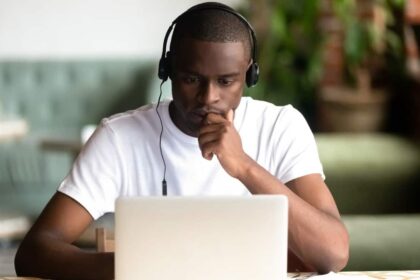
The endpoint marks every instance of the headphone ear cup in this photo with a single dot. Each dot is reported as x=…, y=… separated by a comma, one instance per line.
x=163, y=71
x=252, y=74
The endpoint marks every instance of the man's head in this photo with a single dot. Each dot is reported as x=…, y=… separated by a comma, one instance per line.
x=211, y=25
x=210, y=53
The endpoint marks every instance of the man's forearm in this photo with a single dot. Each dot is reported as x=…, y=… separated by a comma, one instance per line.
x=318, y=238
x=54, y=259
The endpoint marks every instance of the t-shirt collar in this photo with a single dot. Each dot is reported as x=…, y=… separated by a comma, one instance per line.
x=174, y=131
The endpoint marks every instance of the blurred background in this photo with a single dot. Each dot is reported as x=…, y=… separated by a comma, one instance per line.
x=352, y=67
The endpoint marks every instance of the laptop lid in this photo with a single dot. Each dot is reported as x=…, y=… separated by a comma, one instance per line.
x=201, y=238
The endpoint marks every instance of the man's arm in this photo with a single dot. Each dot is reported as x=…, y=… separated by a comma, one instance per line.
x=317, y=236
x=47, y=249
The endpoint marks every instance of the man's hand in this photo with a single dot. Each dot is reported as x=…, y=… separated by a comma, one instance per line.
x=219, y=137
x=47, y=250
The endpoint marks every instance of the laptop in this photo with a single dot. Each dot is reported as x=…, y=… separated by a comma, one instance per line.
x=204, y=238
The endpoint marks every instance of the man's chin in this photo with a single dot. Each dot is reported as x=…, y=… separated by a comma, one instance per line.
x=194, y=129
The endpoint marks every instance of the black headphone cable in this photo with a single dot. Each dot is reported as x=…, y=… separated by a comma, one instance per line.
x=164, y=186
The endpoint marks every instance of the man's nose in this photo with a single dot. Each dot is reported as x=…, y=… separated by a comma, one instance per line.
x=209, y=93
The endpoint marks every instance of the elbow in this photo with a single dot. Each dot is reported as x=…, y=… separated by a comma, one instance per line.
x=335, y=263
x=27, y=257
x=338, y=256
x=342, y=252
x=21, y=261
x=339, y=260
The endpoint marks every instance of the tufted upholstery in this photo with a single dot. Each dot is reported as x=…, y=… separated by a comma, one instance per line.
x=64, y=95
x=58, y=98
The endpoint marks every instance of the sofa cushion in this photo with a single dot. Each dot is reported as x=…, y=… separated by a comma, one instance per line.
x=371, y=173
x=383, y=242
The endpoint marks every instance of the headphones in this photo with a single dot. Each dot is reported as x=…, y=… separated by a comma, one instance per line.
x=253, y=71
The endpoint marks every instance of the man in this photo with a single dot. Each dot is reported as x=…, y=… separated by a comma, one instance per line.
x=215, y=142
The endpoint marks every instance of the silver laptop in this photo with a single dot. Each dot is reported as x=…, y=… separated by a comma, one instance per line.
x=185, y=238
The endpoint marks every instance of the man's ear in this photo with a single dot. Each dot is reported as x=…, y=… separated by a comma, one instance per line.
x=248, y=67
x=250, y=63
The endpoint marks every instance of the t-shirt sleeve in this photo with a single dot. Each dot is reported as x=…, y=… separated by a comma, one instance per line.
x=295, y=147
x=94, y=180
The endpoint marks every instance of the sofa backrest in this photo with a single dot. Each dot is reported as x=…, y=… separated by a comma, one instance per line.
x=63, y=96
x=371, y=173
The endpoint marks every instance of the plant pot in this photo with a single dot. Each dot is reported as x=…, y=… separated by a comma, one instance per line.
x=343, y=109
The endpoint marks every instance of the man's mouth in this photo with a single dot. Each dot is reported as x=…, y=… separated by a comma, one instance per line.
x=197, y=117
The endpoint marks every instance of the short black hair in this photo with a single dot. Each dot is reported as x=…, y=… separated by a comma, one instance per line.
x=213, y=25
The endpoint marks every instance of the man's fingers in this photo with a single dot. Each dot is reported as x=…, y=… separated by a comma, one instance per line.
x=211, y=133
x=229, y=116
x=212, y=118
x=208, y=149
x=208, y=156
x=210, y=136
x=211, y=128
x=209, y=141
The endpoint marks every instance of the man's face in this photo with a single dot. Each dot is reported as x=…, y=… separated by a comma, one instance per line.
x=206, y=77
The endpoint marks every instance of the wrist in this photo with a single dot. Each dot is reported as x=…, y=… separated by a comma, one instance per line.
x=245, y=168
x=257, y=179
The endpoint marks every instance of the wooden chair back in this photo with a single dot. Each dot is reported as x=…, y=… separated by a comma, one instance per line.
x=104, y=243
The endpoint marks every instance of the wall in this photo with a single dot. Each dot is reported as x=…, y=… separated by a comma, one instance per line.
x=34, y=29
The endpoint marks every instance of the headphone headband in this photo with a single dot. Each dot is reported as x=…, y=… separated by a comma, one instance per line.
x=252, y=78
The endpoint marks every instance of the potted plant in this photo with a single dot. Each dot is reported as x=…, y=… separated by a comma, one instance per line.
x=356, y=105
x=288, y=52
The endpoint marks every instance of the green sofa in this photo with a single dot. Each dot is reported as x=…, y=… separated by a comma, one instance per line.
x=57, y=99
x=374, y=178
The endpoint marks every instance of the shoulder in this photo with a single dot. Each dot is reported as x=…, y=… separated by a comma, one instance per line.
x=142, y=118
x=274, y=123
x=268, y=112
x=142, y=112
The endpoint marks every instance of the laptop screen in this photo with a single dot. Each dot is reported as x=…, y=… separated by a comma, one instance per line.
x=201, y=238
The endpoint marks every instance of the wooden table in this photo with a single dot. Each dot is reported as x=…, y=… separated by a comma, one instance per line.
x=349, y=275
x=402, y=274
x=394, y=275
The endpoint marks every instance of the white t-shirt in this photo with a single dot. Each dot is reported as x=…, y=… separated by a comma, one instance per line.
x=122, y=158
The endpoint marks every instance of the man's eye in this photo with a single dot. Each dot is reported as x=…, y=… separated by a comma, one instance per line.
x=190, y=79
x=225, y=82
